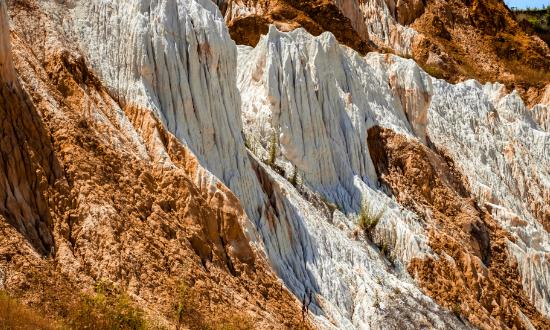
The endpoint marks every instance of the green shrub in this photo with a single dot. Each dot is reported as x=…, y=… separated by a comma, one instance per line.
x=106, y=309
x=272, y=150
x=368, y=218
x=294, y=178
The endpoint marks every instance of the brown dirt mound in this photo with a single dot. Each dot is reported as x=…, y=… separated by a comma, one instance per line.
x=316, y=16
x=481, y=40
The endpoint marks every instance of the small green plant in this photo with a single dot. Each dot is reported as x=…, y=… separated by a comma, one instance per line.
x=368, y=218
x=272, y=150
x=106, y=309
x=247, y=142
x=457, y=310
x=294, y=178
x=376, y=300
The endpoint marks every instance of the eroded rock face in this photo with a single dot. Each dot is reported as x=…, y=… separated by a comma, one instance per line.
x=504, y=154
x=311, y=97
x=178, y=158
x=287, y=78
x=28, y=168
x=356, y=24
x=475, y=275
x=114, y=197
x=248, y=20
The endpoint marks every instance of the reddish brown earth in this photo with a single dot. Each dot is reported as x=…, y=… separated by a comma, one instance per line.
x=481, y=40
x=474, y=276
x=316, y=16
x=82, y=206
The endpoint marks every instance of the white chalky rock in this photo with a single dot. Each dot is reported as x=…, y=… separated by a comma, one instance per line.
x=503, y=148
x=353, y=285
x=383, y=28
x=176, y=59
x=318, y=99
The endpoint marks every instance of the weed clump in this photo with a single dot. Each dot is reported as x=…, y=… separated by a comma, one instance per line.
x=188, y=314
x=368, y=218
x=106, y=309
x=15, y=315
x=272, y=150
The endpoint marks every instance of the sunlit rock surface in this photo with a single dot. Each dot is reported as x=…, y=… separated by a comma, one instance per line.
x=203, y=111
x=285, y=126
x=314, y=101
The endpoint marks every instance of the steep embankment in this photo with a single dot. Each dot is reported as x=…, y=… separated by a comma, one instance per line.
x=210, y=185
x=319, y=101
x=99, y=194
x=481, y=40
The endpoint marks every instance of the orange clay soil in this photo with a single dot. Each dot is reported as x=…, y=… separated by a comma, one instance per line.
x=316, y=16
x=474, y=276
x=481, y=40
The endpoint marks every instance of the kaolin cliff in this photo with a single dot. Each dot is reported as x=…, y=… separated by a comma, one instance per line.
x=272, y=164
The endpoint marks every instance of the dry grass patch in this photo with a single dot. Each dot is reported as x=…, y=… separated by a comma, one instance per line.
x=15, y=315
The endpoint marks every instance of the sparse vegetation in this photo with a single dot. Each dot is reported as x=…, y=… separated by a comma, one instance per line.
x=15, y=315
x=457, y=310
x=535, y=21
x=376, y=300
x=434, y=71
x=188, y=314
x=368, y=217
x=272, y=150
x=106, y=309
x=294, y=178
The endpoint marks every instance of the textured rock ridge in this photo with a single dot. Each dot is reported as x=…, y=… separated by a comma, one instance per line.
x=478, y=259
x=143, y=150
x=248, y=20
x=310, y=96
x=118, y=212
x=356, y=24
x=27, y=164
x=301, y=91
x=504, y=155
x=455, y=40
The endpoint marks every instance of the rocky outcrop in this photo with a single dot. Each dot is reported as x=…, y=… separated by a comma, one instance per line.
x=309, y=95
x=248, y=20
x=125, y=201
x=497, y=146
x=28, y=168
x=144, y=149
x=356, y=24
x=476, y=275
x=297, y=90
